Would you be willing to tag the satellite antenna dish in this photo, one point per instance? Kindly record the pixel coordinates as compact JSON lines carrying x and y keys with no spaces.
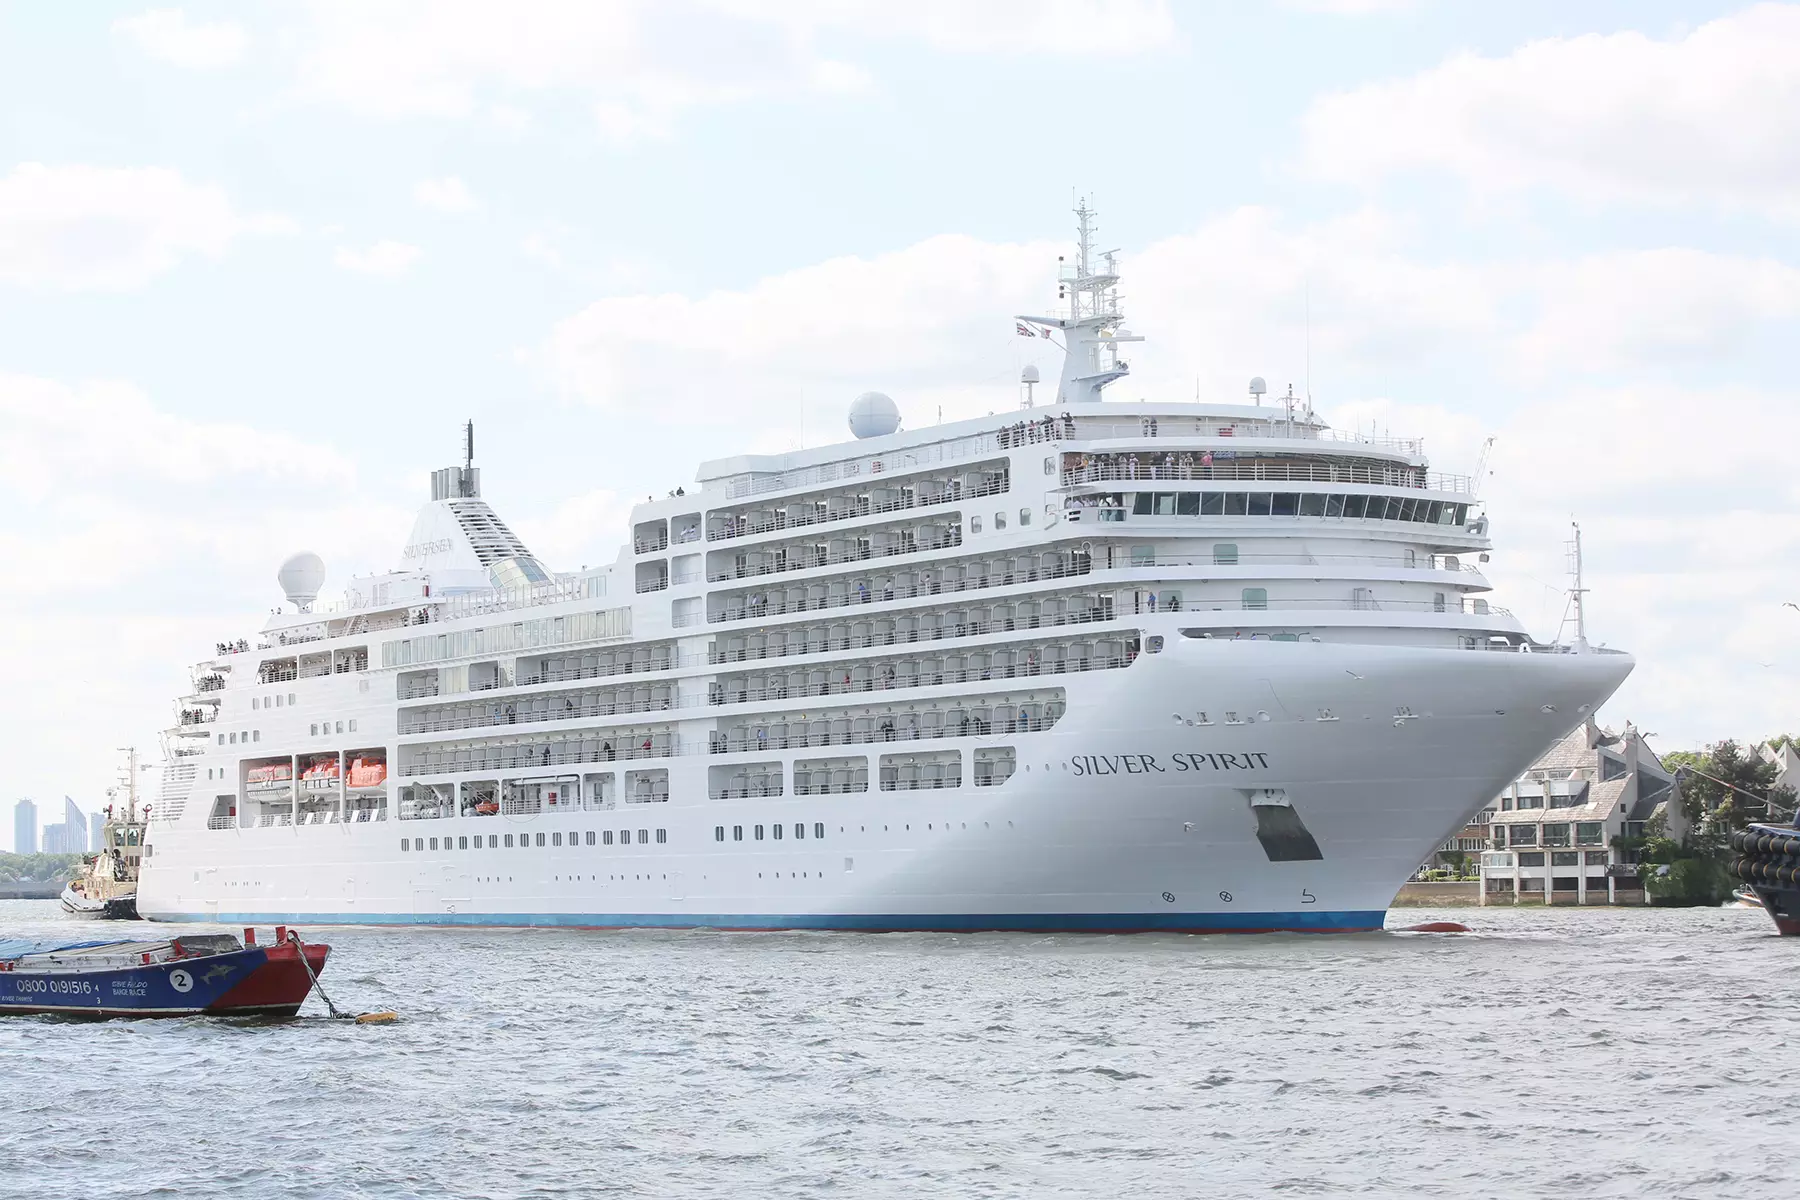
{"x":873,"y":414}
{"x":1257,"y":389}
{"x":1030,"y":377}
{"x":300,"y":578}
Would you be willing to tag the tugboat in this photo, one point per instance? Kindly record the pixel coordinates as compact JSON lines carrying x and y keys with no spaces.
{"x":107,"y":886}
{"x":212,"y":975}
{"x":1769,"y":863}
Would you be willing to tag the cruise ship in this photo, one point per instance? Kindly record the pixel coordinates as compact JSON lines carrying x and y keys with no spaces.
{"x":1085,"y":665}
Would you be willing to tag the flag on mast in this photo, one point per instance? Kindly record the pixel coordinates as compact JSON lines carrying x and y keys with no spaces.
{"x":1026,"y":330}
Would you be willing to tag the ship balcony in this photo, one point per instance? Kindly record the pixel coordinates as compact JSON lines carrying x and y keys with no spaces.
{"x":896,"y":496}
{"x":1187,"y":468}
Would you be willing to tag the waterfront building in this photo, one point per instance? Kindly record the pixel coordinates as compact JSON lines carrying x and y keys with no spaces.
{"x":70,"y":836}
{"x":25,"y":827}
{"x":96,"y":822}
{"x":1786,"y":762}
{"x":1552,"y":836}
{"x":1463,"y":848}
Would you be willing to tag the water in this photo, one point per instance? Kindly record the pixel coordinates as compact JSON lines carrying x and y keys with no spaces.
{"x":1559,"y":1053}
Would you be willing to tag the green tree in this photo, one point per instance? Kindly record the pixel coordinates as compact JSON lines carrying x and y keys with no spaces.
{"x":1725,"y":787}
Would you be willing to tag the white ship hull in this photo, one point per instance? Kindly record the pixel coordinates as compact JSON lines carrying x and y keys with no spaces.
{"x":1127,"y":815}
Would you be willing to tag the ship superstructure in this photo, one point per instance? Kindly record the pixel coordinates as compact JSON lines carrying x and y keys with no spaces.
{"x":1087,"y":665}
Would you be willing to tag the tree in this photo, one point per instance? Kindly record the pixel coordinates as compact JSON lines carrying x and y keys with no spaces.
{"x":1725,"y":787}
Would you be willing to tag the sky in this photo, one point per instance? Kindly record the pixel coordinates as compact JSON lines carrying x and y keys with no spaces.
{"x":259,"y":262}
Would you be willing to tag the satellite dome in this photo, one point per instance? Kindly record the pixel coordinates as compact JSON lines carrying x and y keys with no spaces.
{"x":873,"y":414}
{"x":1257,"y":386}
{"x":1029,"y":374}
{"x":300,"y":577}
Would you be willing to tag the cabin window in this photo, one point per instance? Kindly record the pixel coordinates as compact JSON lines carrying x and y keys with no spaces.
{"x":1187,"y":504}
{"x":403,"y":845}
{"x":290,"y":699}
{"x":1312,"y":504}
{"x":759,"y":833}
{"x":540,"y":839}
{"x":1353,"y":507}
{"x":1286,"y":504}
{"x":1237,"y":504}
{"x":254,"y":703}
{"x":974,"y":524}
{"x":999,"y":520}
{"x":590,"y":837}
{"x":434,"y":843}
{"x":643,"y":837}
{"x":718,"y":833}
{"x":234,"y":739}
{"x":1212,"y":504}
{"x":509,"y":841}
{"x":606,"y":837}
{"x":1334,"y":506}
{"x":799,"y":829}
{"x":1225,"y":554}
{"x":556,"y":839}
{"x":352,"y":724}
{"x":1256,"y":597}
{"x":624,"y":837}
{"x":1024,"y":516}
{"x":737,"y":833}
{"x":340,"y":727}
{"x":1260,"y":504}
{"x":818,"y":829}
{"x":775,"y":831}
{"x":493,"y":841}
{"x":221,"y":739}
{"x":315,"y":730}
{"x":1143,"y":504}
{"x":662,"y":837}
{"x":256,"y":735}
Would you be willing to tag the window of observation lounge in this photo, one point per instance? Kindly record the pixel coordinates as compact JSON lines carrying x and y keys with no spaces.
{"x":1296,"y":504}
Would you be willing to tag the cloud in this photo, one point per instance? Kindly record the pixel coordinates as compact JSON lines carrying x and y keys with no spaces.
{"x":164,"y":33}
{"x":1709,"y":117}
{"x":383,"y":258}
{"x":138,"y":538}
{"x":638,"y":65}
{"x":78,"y":228}
{"x":450,"y":195}
{"x":1351,"y":8}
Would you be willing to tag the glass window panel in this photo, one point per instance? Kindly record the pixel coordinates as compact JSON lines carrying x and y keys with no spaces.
{"x":1212,"y":504}
{"x":1225,"y":553}
{"x":1236,"y":504}
{"x":1259,"y":504}
{"x":1312,"y":504}
{"x":1187,"y":504}
{"x":1287,"y":504}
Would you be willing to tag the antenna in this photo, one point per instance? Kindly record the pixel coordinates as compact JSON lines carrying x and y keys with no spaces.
{"x":1487,"y":448}
{"x":469,"y":445}
{"x":1575,"y":611}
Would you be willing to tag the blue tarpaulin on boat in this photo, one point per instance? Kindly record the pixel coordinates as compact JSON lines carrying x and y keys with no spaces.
{"x":19,"y":947}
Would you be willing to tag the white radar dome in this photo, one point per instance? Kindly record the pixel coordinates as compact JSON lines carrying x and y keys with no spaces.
{"x":300,"y":578}
{"x":873,"y":415}
{"x":1029,"y":374}
{"x":1257,"y":386}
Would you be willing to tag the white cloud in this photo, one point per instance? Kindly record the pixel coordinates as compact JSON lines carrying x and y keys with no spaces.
{"x":1351,"y":8}
{"x":449,"y":194}
{"x":383,"y":258}
{"x":638,"y":65}
{"x":77,"y":227}
{"x":1711,"y":116}
{"x":139,"y":538}
{"x":164,"y":33}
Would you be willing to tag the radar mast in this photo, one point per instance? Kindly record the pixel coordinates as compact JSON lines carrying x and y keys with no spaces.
{"x":1092,"y":328}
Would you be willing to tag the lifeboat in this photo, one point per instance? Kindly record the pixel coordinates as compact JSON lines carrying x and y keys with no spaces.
{"x":368,"y":772}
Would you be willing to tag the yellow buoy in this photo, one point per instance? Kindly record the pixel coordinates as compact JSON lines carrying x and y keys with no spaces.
{"x":380,"y":1018}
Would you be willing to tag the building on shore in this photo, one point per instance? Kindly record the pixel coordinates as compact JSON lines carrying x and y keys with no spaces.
{"x":25,"y":827}
{"x":96,"y":822}
{"x":1463,"y":848}
{"x":1786,"y":761}
{"x":71,"y":835}
{"x":1553,"y":837}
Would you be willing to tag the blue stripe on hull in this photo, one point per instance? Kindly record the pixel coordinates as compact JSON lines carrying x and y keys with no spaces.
{"x":1151,"y":922}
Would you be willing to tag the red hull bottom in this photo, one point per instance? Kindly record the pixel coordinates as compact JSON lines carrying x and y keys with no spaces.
{"x":277,"y":988}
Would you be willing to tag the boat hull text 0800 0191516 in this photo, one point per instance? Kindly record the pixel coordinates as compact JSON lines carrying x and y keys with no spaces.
{"x":1099,"y":666}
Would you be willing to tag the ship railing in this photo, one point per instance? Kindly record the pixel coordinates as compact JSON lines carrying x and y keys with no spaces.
{"x":1450,"y":606}
{"x":831,"y":789}
{"x":462,"y":761}
{"x":1255,"y":470}
{"x":743,"y":527}
{"x":566,"y":674}
{"x":1275,"y":429}
{"x":912,"y":636}
{"x":921,"y":785}
{"x":1070,"y":566}
{"x":1426,"y":562}
{"x":653,"y":585}
{"x":573,"y":712}
{"x":869,"y":737}
{"x":757,"y":484}
{"x":926,"y":679}
{"x":801,"y":561}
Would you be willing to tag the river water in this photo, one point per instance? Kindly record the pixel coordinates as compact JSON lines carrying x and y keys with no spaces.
{"x":1550,"y":1053}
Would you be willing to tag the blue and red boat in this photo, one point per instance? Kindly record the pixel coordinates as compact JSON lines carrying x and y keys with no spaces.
{"x":214,"y":975}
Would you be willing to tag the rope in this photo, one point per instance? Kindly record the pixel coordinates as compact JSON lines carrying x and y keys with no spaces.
{"x":329,"y":1006}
